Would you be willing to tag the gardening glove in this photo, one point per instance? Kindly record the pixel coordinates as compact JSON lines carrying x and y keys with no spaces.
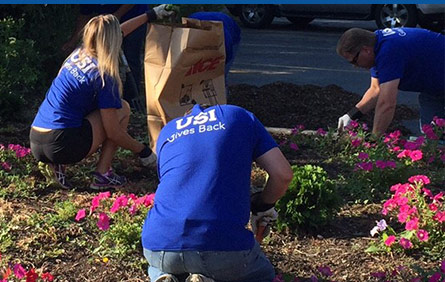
{"x":162,"y":12}
{"x":147,"y":157}
{"x":263,"y":219}
{"x":343,"y":121}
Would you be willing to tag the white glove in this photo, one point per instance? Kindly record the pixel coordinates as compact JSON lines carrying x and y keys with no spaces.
{"x":161,"y":12}
{"x":343,"y":121}
{"x":265,"y":218}
{"x":147,"y":157}
{"x":149,"y":161}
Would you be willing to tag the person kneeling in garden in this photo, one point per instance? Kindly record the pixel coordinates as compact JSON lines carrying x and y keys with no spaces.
{"x":83,"y":109}
{"x":197,"y":225}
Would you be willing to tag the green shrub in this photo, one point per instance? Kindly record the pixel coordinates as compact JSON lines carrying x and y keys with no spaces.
{"x":310,"y":201}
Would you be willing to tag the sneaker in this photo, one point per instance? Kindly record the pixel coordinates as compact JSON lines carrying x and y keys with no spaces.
{"x":198,"y":278}
{"x":60,"y":176}
{"x":167,"y":278}
{"x":107,"y":180}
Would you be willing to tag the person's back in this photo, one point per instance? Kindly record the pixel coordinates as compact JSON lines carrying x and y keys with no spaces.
{"x":414,"y":55}
{"x":204,"y":168}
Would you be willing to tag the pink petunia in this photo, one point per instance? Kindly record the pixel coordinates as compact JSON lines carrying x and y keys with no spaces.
{"x":380,"y":164}
{"x":390,"y":240}
{"x":435,"y":277}
{"x":439,"y":216}
{"x":6,"y":166}
{"x":293,"y":146}
{"x":356,"y":142}
{"x":405,"y":243}
{"x":321,"y":132}
{"x":412,"y":224}
{"x":80,"y":215}
{"x":422,"y":235}
{"x":442,"y":266}
{"x":19,"y":271}
{"x":391,"y":164}
{"x":149,"y":200}
{"x":363,"y":156}
{"x":325,"y":270}
{"x":366,"y":166}
{"x":433,"y":207}
{"x":404,"y":154}
{"x":103,"y":223}
{"x":440,"y":122}
{"x":46,"y":276}
{"x":120,"y":201}
{"x":416,"y":155}
{"x":31,"y":275}
{"x":419,"y":179}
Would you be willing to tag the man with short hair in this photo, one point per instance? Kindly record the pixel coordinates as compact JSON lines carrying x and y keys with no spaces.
{"x":409,"y":59}
{"x":202,"y":205}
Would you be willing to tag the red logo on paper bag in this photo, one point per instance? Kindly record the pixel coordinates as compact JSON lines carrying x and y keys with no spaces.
{"x":206,"y":65}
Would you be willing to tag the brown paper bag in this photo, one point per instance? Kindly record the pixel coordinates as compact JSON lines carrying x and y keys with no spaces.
{"x":183,"y":65}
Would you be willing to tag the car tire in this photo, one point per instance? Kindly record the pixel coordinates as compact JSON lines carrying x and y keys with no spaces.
{"x":300,"y":22}
{"x":256,"y":15}
{"x":395,"y":15}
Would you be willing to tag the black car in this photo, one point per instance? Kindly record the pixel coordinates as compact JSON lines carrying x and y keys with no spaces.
{"x":385,"y":15}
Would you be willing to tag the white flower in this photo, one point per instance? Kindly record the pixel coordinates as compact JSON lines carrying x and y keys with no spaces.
{"x":374,"y":231}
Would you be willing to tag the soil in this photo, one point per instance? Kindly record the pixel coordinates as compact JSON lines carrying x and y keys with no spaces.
{"x":340,"y":245}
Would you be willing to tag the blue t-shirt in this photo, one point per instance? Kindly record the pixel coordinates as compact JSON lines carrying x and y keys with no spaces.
{"x":75,"y":92}
{"x":416,"y":56}
{"x":101,"y":9}
{"x":204,"y":164}
{"x":232,"y":32}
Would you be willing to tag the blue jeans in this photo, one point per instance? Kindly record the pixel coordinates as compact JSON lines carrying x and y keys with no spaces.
{"x":243,"y":266}
{"x":431,"y":104}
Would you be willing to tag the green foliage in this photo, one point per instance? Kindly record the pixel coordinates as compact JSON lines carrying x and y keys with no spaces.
{"x":310,"y":201}
{"x":18,"y":67}
{"x":17,"y":170}
{"x":30,"y":40}
{"x":64,"y":213}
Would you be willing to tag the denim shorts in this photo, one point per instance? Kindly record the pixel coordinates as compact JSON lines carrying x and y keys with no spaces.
{"x":243,"y":266}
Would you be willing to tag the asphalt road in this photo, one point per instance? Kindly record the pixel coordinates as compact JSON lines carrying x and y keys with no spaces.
{"x":283,"y":52}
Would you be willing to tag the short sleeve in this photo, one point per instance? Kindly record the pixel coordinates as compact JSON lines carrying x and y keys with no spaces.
{"x":390,"y":64}
{"x":108,"y":95}
{"x":263,"y":141}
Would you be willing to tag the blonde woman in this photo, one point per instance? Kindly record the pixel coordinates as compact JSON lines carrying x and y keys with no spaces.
{"x":83,"y":109}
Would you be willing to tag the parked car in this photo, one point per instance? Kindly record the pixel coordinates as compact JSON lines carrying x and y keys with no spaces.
{"x":385,"y":15}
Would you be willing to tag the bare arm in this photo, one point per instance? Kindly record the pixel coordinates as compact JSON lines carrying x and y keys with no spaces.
{"x":386,"y":106}
{"x":369,"y":99}
{"x":280,"y":175}
{"x":130,"y":25}
{"x":116,"y":133}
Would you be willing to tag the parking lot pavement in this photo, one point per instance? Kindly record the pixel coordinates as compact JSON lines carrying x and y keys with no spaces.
{"x":283,"y":52}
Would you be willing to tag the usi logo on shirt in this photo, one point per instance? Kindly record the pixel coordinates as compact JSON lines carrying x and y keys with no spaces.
{"x":204,"y":65}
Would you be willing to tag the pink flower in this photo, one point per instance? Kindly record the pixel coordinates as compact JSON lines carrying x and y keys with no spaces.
{"x":380,"y":164}
{"x":149,"y":200}
{"x":80,"y":215}
{"x":405,"y":243}
{"x":419,"y":179}
{"x":438,"y":197}
{"x":410,"y":145}
{"x":435,"y":277}
{"x":325,"y":270}
{"x":95,"y":202}
{"x":379,"y":275}
{"x":439,"y":216}
{"x":391,"y":164}
{"x":432,"y":207}
{"x":412,"y":224}
{"x":363,"y":156}
{"x":427,"y":192}
{"x":293,"y":146}
{"x":6,"y":166}
{"x":356,"y":142}
{"x":442,"y":266}
{"x":422,"y":235}
{"x":416,"y":155}
{"x":120,"y":201}
{"x":104,"y":222}
{"x":440,"y":122}
{"x":390,"y":240}
{"x":403,"y":154}
{"x":429,"y":132}
{"x":366,"y":166}
{"x":19,"y":271}
{"x":321,"y":132}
